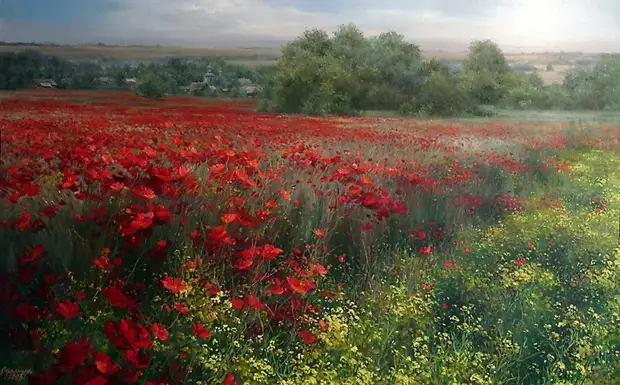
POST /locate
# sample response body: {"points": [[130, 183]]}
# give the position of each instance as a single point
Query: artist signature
{"points": [[14, 374]]}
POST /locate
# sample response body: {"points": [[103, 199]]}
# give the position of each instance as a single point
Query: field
{"points": [[193, 241]]}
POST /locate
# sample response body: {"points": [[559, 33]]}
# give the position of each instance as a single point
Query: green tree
{"points": [[442, 93], [486, 69], [150, 86], [345, 72]]}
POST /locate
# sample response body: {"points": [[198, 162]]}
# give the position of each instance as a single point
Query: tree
{"points": [[150, 86], [486, 69], [345, 72], [442, 93]]}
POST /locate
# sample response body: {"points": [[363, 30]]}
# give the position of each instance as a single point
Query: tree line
{"points": [[345, 73], [18, 70]]}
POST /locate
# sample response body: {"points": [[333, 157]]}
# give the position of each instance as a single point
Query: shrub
{"points": [[150, 86]]}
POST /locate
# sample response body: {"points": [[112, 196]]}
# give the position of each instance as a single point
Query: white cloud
{"points": [[205, 20], [524, 23]]}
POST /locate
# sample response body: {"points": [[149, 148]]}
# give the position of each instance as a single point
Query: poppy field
{"points": [[198, 242]]}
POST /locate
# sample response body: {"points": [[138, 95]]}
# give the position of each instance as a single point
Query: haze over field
{"points": [[526, 25]]}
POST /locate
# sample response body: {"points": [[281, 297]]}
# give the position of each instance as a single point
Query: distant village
{"points": [[189, 76]]}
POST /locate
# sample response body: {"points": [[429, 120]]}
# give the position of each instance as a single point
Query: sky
{"points": [[518, 25]]}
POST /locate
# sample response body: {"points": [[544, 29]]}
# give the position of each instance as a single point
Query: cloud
{"points": [[216, 21], [527, 23]]}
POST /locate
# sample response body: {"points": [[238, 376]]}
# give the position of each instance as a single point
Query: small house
{"points": [[45, 83]]}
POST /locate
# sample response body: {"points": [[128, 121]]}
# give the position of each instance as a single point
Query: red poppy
{"points": [[307, 336], [323, 325], [199, 330], [98, 380], [254, 302], [237, 303], [230, 380], [175, 285], [285, 195], [73, 354], [181, 308], [270, 252], [68, 309], [229, 218], [144, 192], [276, 289], [104, 364], [319, 233], [159, 331], [301, 287], [118, 298]]}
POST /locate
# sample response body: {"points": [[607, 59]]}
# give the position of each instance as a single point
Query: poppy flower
{"points": [[118, 298], [73, 354], [173, 284], [254, 302], [199, 330], [159, 331], [237, 303], [230, 380], [68, 309], [144, 192], [307, 336], [319, 233], [104, 364]]}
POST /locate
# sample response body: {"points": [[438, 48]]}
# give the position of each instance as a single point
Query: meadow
{"points": [[194, 241]]}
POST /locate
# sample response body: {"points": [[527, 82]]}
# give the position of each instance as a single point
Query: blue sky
{"points": [[519, 24]]}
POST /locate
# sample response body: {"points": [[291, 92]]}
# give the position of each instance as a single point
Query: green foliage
{"points": [[150, 86], [441, 94], [529, 92], [346, 72], [596, 88], [486, 69]]}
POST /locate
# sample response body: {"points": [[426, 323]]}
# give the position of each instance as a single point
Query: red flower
{"points": [[175, 285], [426, 250], [276, 289], [285, 195], [301, 287], [230, 380], [138, 359], [159, 331], [104, 364], [103, 263], [181, 308], [97, 381], [270, 252], [143, 192], [134, 334], [228, 218], [319, 233], [237, 303], [520, 262], [323, 325], [307, 336], [68, 309], [254, 302], [73, 354], [118, 298], [199, 330]]}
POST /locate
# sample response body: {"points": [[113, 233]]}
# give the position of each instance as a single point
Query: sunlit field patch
{"points": [[184, 241]]}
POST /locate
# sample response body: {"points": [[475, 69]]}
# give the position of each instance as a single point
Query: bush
{"points": [[319, 74], [151, 86]]}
